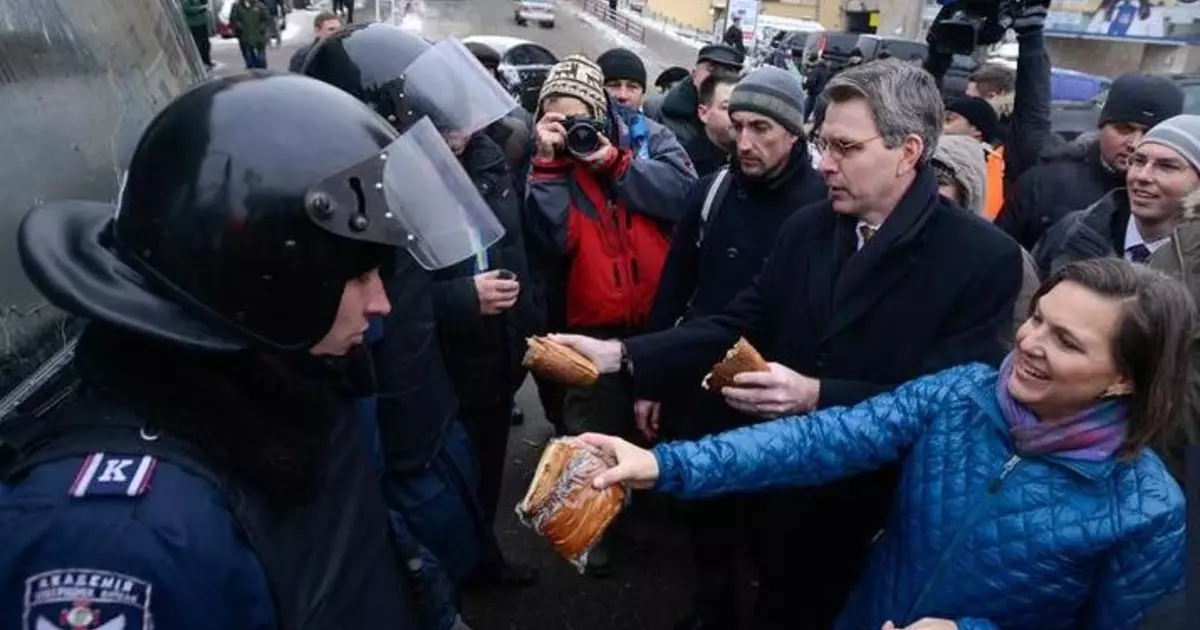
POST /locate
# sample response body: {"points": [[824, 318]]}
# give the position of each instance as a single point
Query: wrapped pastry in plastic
{"points": [[561, 503]]}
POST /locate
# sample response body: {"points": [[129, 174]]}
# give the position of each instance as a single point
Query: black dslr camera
{"points": [[583, 135], [963, 25]]}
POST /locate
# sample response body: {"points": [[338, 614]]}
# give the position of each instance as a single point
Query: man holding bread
{"points": [[719, 247], [881, 283]]}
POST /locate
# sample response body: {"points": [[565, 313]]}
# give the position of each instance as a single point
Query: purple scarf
{"points": [[1093, 434]]}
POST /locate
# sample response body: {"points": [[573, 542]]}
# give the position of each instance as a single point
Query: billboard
{"points": [[747, 11], [1153, 21]]}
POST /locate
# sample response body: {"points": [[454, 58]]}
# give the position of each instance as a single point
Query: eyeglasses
{"points": [[839, 150]]}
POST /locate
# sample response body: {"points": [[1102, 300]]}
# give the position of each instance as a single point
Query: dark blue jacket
{"points": [[170, 552], [977, 534], [431, 509]]}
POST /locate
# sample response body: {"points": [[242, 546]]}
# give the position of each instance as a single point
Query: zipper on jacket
{"points": [[993, 488], [633, 271], [1009, 465]]}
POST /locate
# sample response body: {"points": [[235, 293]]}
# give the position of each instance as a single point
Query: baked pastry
{"points": [[742, 357], [561, 503], [558, 363]]}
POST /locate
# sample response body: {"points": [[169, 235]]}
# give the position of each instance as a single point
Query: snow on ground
{"points": [[685, 37], [611, 32]]}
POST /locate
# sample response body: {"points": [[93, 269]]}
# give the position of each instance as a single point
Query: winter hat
{"points": [[961, 158], [978, 112], [1181, 133], [1141, 99], [774, 93], [721, 55], [670, 76], [621, 63], [576, 76]]}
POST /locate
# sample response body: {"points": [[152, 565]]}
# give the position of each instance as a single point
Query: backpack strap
{"points": [[717, 190]]}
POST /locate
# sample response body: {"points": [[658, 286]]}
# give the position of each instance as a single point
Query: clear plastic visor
{"points": [[413, 194], [448, 84]]}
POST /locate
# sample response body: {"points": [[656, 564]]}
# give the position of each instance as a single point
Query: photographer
{"points": [[1025, 130], [601, 220]]}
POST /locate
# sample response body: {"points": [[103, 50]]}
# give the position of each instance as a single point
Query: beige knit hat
{"points": [[578, 77]]}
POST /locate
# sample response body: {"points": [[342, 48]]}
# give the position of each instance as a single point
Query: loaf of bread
{"points": [[742, 357], [561, 503], [556, 362]]}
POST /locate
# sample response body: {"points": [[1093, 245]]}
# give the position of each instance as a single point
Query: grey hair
{"points": [[904, 99]]}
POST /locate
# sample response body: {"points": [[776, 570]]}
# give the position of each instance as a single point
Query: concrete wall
{"points": [[1115, 58], [693, 13]]}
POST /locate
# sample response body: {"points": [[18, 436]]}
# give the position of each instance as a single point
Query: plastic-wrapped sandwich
{"points": [[561, 503], [742, 357]]}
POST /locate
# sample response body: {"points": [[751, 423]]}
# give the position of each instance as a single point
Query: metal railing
{"points": [[629, 26]]}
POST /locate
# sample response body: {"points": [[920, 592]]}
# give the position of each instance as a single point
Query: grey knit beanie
{"points": [[1181, 133], [774, 93]]}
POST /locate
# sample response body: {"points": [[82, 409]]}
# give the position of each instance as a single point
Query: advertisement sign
{"points": [[747, 10], [1153, 21]]}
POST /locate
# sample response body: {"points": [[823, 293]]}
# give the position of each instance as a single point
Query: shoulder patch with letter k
{"points": [[113, 475]]}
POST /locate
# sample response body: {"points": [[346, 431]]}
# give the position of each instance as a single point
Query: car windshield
{"points": [[1191, 98]]}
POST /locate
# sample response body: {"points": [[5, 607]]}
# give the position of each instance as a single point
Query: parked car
{"points": [[540, 12], [1069, 120], [834, 48], [523, 65], [1076, 87]]}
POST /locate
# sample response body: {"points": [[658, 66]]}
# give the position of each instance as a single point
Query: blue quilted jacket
{"points": [[977, 534]]}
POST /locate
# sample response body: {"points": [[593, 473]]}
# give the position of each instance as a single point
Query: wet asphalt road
{"points": [[650, 588]]}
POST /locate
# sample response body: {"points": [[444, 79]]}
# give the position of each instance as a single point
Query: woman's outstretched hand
{"points": [[636, 467]]}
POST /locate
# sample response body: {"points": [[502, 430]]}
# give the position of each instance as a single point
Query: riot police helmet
{"points": [[404, 78], [249, 203]]}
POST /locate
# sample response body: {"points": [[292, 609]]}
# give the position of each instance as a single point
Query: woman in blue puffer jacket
{"points": [[1029, 497]]}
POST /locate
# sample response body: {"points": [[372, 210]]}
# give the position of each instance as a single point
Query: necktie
{"points": [[1139, 253], [867, 233]]}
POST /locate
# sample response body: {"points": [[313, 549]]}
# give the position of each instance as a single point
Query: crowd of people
{"points": [[292, 402]]}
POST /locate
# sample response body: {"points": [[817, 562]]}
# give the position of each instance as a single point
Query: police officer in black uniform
{"points": [[205, 472], [446, 363]]}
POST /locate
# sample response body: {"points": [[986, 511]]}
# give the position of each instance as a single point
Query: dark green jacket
{"points": [[250, 20], [1181, 260], [195, 12]]}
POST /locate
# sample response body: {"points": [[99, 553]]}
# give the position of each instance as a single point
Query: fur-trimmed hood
{"points": [[1003, 104], [1191, 206], [964, 156], [1086, 147]]}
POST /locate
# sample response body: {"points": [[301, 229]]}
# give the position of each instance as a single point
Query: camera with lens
{"points": [[964, 25], [583, 135]]}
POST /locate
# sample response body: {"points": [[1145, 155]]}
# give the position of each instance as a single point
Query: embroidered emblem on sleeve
{"points": [[112, 474], [86, 599]]}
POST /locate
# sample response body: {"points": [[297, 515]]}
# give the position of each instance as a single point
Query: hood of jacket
{"points": [[482, 155], [1182, 258], [1003, 104], [680, 103], [264, 417], [964, 156], [1085, 148]]}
